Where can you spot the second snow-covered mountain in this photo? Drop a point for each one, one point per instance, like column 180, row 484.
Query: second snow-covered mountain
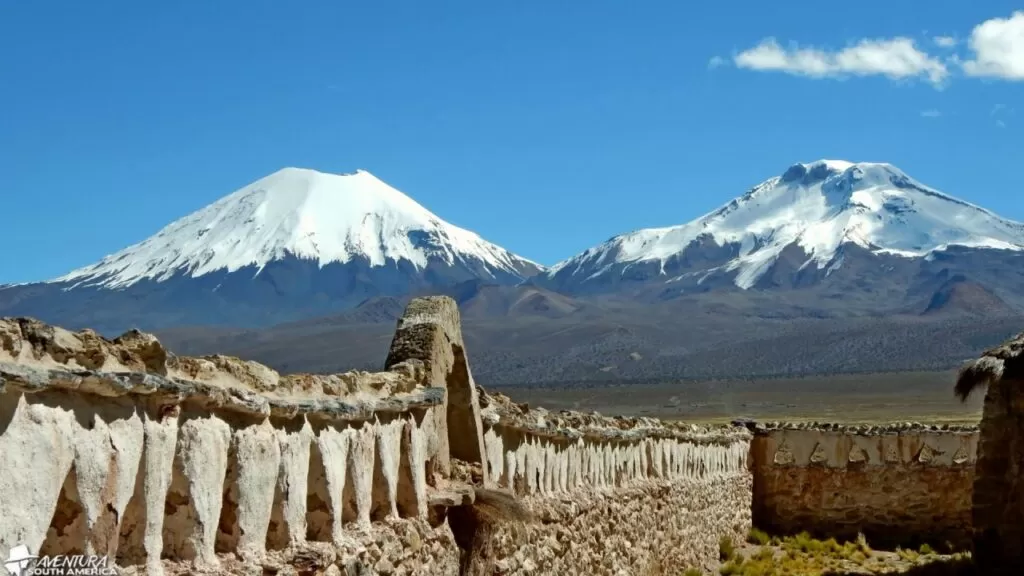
column 294, row 244
column 797, row 229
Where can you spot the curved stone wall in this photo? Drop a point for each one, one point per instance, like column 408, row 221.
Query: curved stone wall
column 120, row 449
column 177, row 465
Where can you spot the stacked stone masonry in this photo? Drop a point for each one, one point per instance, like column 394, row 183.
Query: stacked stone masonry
column 898, row 484
column 176, row 465
column 613, row 495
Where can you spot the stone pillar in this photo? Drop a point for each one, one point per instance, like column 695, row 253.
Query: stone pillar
column 998, row 516
column 429, row 332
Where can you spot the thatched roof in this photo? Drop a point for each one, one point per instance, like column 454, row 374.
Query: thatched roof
column 991, row 367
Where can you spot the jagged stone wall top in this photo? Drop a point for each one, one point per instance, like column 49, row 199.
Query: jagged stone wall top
column 35, row 356
column 500, row 411
column 861, row 429
column 837, row 446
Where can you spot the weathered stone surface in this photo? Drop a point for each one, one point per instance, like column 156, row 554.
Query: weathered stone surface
column 998, row 491
column 499, row 411
column 429, row 332
column 409, row 546
column 35, row 357
column 650, row 527
column 607, row 495
column 896, row 486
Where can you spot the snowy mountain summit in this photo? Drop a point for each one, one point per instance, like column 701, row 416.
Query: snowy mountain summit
column 310, row 216
column 295, row 244
column 813, row 212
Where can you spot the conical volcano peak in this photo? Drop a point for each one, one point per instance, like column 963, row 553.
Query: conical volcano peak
column 306, row 215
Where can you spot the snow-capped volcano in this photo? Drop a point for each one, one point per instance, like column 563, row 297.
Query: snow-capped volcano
column 295, row 244
column 816, row 209
column 308, row 215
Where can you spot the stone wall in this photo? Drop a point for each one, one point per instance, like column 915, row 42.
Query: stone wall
column 613, row 495
column 178, row 465
column 900, row 484
column 184, row 465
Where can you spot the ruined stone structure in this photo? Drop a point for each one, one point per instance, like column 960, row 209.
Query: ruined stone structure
column 998, row 496
column 177, row 465
column 902, row 484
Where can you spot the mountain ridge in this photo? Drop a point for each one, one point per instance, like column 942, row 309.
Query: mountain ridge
column 818, row 207
column 826, row 239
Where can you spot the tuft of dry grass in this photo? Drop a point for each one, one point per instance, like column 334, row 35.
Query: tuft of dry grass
column 758, row 537
column 726, row 549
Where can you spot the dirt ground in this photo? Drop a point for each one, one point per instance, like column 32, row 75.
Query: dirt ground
column 862, row 398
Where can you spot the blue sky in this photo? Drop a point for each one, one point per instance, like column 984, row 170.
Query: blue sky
column 545, row 126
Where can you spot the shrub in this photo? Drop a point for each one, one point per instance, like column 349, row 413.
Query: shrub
column 731, row 569
column 862, row 544
column 759, row 537
column 925, row 549
column 907, row 555
column 692, row 572
column 803, row 542
column 726, row 549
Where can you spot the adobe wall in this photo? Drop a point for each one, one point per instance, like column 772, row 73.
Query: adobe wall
column 898, row 484
column 178, row 465
column 613, row 495
column 186, row 465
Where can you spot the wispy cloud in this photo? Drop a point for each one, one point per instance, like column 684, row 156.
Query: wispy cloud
column 930, row 113
column 998, row 46
column 896, row 58
column 993, row 49
column 715, row 62
column 999, row 113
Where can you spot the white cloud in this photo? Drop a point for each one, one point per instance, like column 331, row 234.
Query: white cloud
column 944, row 41
column 998, row 46
column 715, row 62
column 931, row 113
column 896, row 58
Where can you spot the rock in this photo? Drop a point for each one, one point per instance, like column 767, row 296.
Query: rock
column 384, row 566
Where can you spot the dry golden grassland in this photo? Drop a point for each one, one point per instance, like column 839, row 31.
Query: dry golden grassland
column 803, row 555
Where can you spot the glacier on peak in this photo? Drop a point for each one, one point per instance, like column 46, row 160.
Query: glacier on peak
column 819, row 207
column 306, row 214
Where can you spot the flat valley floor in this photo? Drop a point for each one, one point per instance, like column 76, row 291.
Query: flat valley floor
column 925, row 397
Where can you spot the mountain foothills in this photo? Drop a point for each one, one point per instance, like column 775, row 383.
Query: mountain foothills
column 830, row 267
